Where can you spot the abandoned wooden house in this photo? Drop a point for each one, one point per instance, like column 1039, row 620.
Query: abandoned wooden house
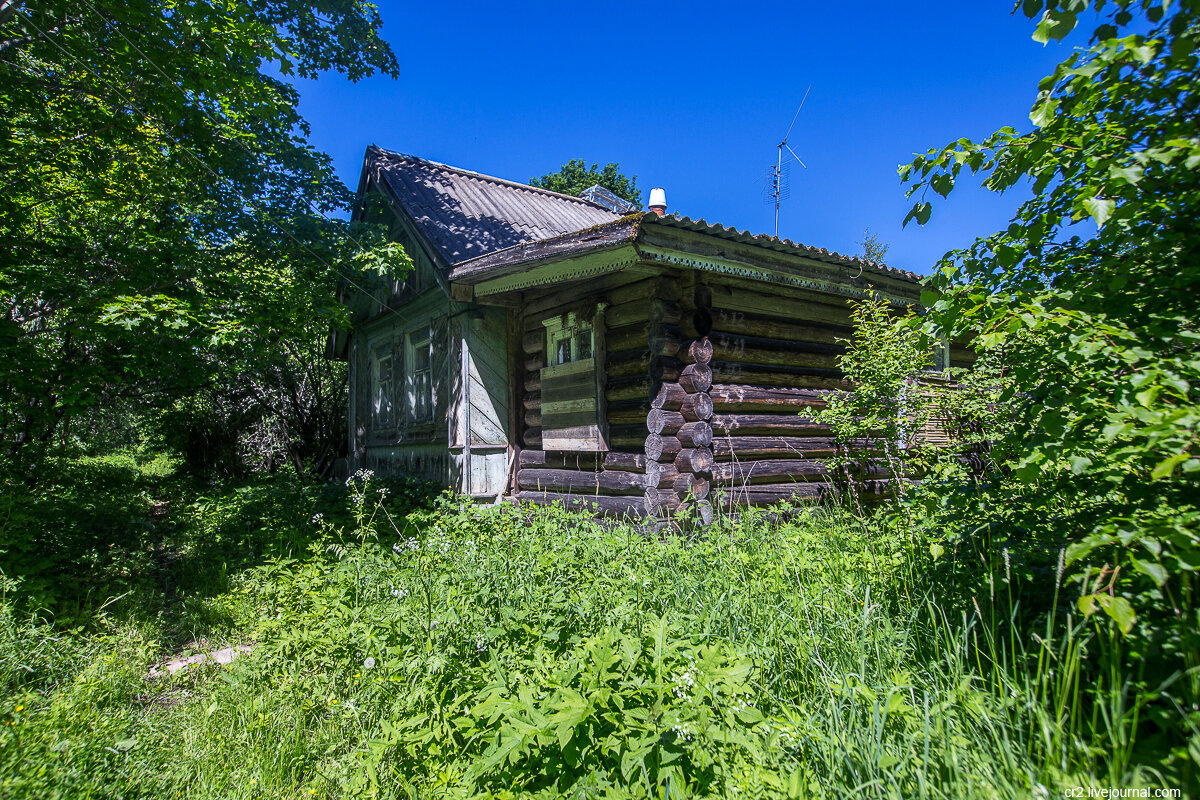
column 548, row 348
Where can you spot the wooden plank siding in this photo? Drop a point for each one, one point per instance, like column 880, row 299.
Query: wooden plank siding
column 569, row 411
column 409, row 446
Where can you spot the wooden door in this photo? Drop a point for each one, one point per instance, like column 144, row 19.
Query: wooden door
column 483, row 418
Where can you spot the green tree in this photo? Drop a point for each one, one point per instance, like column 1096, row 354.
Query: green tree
column 575, row 176
column 872, row 248
column 158, row 194
column 1092, row 294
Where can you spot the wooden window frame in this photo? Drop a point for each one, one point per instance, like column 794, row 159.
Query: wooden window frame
column 571, row 367
column 416, row 341
column 383, row 389
column 568, row 327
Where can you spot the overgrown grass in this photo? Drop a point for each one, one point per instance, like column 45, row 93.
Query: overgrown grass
column 462, row 651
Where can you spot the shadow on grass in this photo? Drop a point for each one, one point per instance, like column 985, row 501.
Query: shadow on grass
column 132, row 538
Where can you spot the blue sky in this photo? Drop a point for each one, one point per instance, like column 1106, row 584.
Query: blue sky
column 694, row 98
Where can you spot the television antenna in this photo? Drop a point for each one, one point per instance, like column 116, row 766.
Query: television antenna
column 778, row 177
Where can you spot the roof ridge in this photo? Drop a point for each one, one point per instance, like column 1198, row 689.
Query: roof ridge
column 490, row 178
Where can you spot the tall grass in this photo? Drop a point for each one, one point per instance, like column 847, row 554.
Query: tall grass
column 494, row 651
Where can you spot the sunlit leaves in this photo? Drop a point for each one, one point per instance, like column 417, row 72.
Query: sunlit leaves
column 575, row 176
column 1055, row 24
column 1096, row 324
column 1099, row 208
column 160, row 199
column 1118, row 608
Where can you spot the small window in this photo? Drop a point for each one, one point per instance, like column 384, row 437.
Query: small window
column 383, row 387
column 570, row 411
column 420, row 376
column 568, row 339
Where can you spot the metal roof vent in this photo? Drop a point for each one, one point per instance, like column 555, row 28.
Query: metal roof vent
column 658, row 201
column 603, row 197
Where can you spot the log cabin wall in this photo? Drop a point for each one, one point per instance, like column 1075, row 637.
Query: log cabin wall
column 775, row 352
column 679, row 437
column 630, row 311
column 706, row 378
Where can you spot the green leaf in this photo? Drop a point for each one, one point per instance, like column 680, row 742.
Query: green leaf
column 1148, row 395
column 1055, row 24
column 1118, row 608
column 1043, row 113
column 942, row 183
column 1130, row 174
column 936, row 550
column 920, row 212
column 1100, row 209
column 1156, row 571
column 1165, row 467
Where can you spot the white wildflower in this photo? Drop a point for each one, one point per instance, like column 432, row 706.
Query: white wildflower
column 362, row 475
column 369, row 663
column 684, row 682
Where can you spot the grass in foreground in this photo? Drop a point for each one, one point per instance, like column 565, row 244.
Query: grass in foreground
column 466, row 651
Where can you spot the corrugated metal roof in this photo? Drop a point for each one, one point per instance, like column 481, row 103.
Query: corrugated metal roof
column 781, row 245
column 465, row 215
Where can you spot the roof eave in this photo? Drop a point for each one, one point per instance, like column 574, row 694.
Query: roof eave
column 785, row 246
column 527, row 256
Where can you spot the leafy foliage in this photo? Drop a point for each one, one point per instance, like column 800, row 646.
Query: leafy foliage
column 575, row 176
column 160, row 199
column 1090, row 295
column 403, row 648
column 875, row 423
column 934, row 429
column 872, row 248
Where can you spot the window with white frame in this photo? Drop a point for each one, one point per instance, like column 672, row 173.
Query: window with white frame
column 383, row 386
column 419, row 375
column 568, row 339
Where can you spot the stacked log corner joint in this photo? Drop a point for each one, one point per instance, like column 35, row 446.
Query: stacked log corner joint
column 679, row 456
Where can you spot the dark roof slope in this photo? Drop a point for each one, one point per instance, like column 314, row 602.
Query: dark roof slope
column 465, row 215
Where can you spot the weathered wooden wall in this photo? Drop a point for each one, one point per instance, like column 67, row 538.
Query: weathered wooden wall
column 416, row 448
column 775, row 351
column 707, row 380
column 611, row 481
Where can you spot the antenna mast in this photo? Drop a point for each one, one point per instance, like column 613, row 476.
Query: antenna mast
column 779, row 190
